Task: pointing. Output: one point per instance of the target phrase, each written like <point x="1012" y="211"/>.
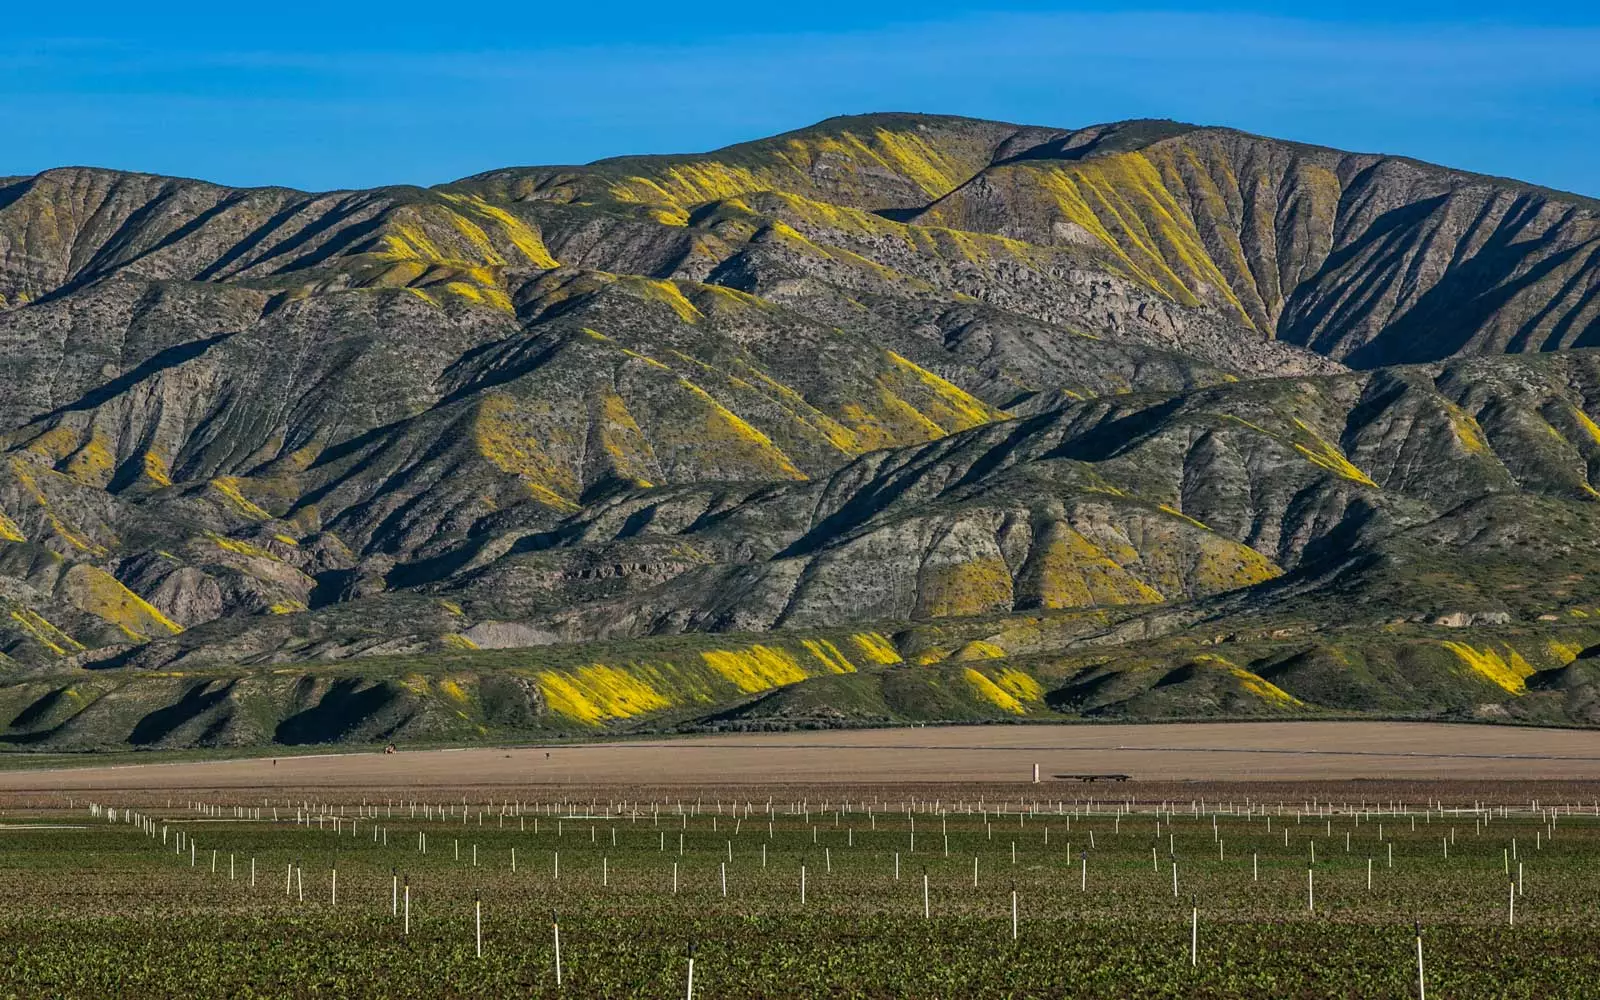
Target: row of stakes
<point x="401" y="894"/>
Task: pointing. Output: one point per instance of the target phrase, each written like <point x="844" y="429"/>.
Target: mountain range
<point x="893" y="418"/>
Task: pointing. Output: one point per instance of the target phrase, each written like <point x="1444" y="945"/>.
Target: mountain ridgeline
<point x="893" y="418"/>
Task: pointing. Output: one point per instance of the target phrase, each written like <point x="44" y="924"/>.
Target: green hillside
<point x="1138" y="420"/>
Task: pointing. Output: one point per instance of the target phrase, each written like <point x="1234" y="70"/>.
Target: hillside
<point x="892" y="418"/>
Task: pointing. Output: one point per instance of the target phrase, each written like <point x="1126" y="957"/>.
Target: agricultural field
<point x="999" y="890"/>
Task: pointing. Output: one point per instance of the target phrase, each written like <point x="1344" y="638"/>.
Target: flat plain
<point x="1281" y="751"/>
<point x="1299" y="860"/>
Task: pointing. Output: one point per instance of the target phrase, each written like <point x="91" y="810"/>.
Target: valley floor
<point x="1175" y="752"/>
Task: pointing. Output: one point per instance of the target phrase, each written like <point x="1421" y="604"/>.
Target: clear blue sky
<point x="324" y="95"/>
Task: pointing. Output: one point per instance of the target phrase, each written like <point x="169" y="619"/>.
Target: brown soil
<point x="1254" y="752"/>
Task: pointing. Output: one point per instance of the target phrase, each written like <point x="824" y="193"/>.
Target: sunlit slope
<point x="903" y="369"/>
<point x="1370" y="259"/>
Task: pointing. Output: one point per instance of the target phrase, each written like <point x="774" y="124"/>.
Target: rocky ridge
<point x="1059" y="406"/>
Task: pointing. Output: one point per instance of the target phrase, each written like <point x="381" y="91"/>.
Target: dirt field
<point x="1265" y="752"/>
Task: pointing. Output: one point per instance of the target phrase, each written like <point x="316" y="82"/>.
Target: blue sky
<point x="322" y="95"/>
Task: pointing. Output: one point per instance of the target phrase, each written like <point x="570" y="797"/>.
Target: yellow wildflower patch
<point x="876" y="648"/>
<point x="1509" y="671"/>
<point x="755" y="668"/>
<point x="597" y="693"/>
<point x="830" y="656"/>
<point x="992" y="693"/>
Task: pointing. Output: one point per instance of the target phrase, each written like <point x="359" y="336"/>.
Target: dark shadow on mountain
<point x="511" y="371"/>
<point x="1107" y="439"/>
<point x="328" y="587"/>
<point x="39" y="709"/>
<point x="345" y="706"/>
<point x="253" y="239"/>
<point x="11" y="192"/>
<point x="195" y="702"/>
<point x="1121" y="137"/>
<point x="172" y="357"/>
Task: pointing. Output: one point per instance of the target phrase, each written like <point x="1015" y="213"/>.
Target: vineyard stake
<point x="690" y="994"/>
<point x="1422" y="988"/>
<point x="555" y="926"/>
<point x="1311" y="891"/>
<point x="477" y="923"/>
<point x="394" y="893"/>
<point x="1194" y="932"/>
<point x="334" y="901"/>
<point x="1013" y="914"/>
<point x="408" y="906"/>
<point x="925" y="910"/>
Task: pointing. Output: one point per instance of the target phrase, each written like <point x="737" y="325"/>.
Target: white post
<point x="925" y="911"/>
<point x="1013" y="914"/>
<point x="723" y="865"/>
<point x="394" y="893"/>
<point x="1194" y="934"/>
<point x="335" y="899"/>
<point x="1422" y="983"/>
<point x="1311" y="892"/>
<point x="690" y="994"/>
<point x="477" y="923"/>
